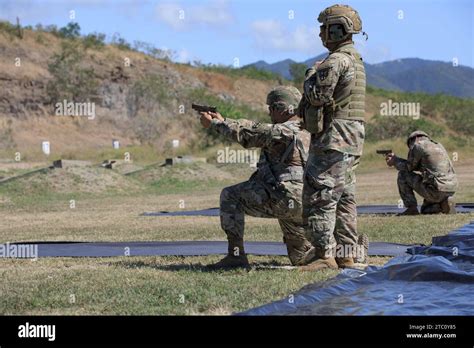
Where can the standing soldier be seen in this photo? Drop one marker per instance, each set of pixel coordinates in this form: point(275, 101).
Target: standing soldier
point(437, 182)
point(333, 106)
point(275, 189)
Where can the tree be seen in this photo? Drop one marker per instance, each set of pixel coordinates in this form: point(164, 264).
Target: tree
point(71, 31)
point(297, 71)
point(70, 80)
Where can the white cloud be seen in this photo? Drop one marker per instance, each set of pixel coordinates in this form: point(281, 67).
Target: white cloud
point(212, 14)
point(170, 14)
point(42, 11)
point(273, 35)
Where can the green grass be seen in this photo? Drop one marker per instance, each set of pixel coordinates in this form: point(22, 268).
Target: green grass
point(7, 173)
point(174, 185)
point(155, 285)
point(158, 285)
point(173, 285)
point(140, 286)
point(143, 154)
point(39, 195)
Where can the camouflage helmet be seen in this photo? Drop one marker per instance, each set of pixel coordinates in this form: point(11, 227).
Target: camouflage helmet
point(338, 16)
point(284, 98)
point(417, 133)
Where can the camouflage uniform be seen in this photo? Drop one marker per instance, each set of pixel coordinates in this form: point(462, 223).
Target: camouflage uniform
point(437, 181)
point(336, 89)
point(275, 189)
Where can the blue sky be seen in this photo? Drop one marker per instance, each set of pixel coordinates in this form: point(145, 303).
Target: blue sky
point(219, 31)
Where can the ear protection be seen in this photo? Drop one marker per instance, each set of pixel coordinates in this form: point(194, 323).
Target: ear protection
point(336, 32)
point(280, 106)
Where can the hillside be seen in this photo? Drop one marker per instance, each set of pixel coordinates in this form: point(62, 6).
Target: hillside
point(144, 101)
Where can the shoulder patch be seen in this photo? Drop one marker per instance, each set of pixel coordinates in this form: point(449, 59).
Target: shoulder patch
point(323, 73)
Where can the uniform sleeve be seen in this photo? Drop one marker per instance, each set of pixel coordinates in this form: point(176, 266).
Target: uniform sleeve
point(401, 164)
point(414, 158)
point(245, 132)
point(321, 82)
point(413, 161)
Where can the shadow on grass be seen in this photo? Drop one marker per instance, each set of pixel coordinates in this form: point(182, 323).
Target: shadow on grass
point(199, 267)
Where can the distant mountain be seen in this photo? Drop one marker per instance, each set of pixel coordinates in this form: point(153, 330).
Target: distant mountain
point(281, 68)
point(310, 62)
point(408, 75)
point(419, 75)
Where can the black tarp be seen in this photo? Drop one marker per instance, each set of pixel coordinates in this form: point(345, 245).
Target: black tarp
point(181, 248)
point(434, 280)
point(363, 209)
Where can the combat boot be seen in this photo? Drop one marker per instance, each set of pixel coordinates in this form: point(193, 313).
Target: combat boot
point(344, 262)
point(230, 261)
point(308, 257)
point(363, 242)
point(410, 211)
point(320, 264)
point(448, 206)
point(430, 208)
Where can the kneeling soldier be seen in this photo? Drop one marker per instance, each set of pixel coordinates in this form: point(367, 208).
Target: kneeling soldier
point(437, 181)
point(275, 189)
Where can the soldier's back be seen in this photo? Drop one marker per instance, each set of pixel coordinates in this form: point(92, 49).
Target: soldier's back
point(437, 165)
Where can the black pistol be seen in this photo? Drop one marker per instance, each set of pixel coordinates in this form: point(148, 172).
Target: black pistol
point(203, 108)
point(383, 152)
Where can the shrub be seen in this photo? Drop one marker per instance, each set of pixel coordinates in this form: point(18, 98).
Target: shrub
point(6, 134)
point(146, 94)
point(39, 38)
point(71, 31)
point(297, 71)
point(52, 29)
point(70, 80)
point(383, 127)
point(457, 112)
point(152, 51)
point(11, 30)
point(94, 40)
point(120, 42)
point(461, 119)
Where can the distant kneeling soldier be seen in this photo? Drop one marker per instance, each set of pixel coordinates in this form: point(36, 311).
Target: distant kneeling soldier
point(437, 182)
point(275, 189)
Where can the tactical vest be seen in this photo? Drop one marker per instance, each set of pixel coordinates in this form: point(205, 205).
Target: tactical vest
point(349, 101)
point(274, 173)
